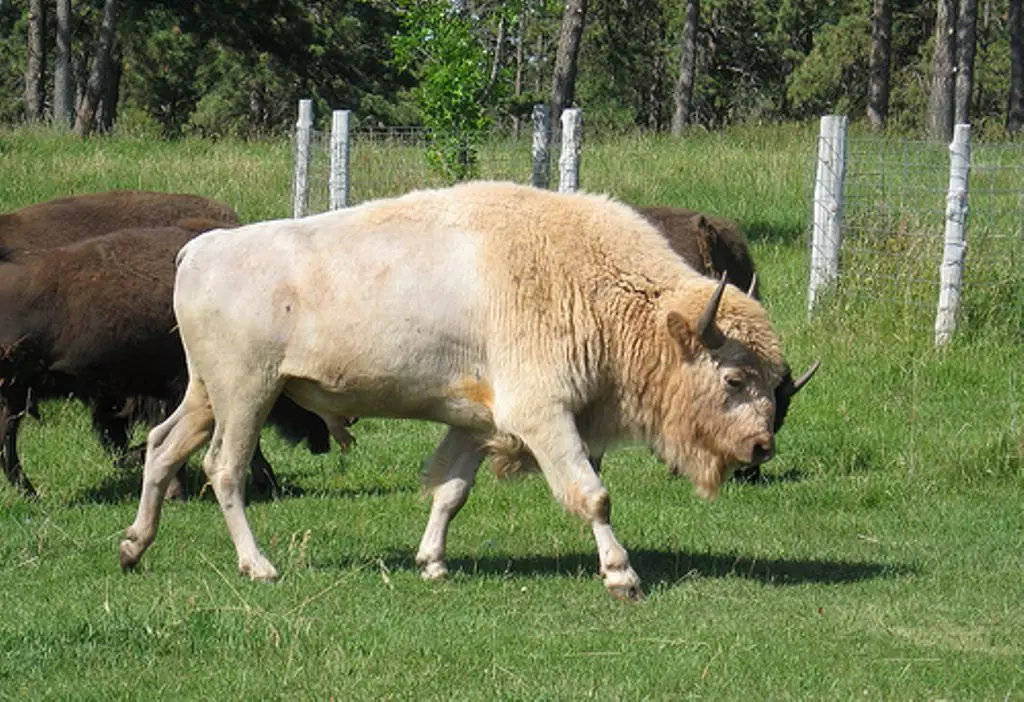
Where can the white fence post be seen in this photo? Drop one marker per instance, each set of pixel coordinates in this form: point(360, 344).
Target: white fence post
point(952, 270)
point(569, 159)
point(303, 136)
point(828, 206)
point(541, 156)
point(338, 181)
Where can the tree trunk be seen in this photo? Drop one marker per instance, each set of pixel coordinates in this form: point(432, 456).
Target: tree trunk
point(1015, 113)
point(520, 38)
point(682, 115)
point(34, 80)
point(879, 69)
point(63, 85)
point(107, 111)
point(498, 58)
point(85, 120)
point(966, 39)
point(940, 101)
point(563, 86)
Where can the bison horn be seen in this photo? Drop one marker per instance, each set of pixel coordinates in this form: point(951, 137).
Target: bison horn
point(753, 286)
point(802, 380)
point(706, 328)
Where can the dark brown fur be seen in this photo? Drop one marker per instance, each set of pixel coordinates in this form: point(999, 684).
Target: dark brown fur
point(95, 320)
point(711, 245)
point(64, 221)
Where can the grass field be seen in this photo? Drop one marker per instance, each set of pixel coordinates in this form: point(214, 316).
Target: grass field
point(882, 557)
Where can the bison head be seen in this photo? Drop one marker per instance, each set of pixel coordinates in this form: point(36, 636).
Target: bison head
point(719, 404)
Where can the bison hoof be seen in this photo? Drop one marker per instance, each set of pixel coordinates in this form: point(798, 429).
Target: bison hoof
point(259, 570)
point(627, 593)
point(130, 555)
point(624, 585)
point(434, 571)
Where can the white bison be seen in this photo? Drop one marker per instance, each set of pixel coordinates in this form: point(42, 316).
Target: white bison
point(529, 322)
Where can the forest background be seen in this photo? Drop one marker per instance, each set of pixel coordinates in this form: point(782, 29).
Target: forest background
point(236, 68)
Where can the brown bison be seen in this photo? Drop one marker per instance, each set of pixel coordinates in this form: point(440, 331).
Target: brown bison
point(525, 320)
point(94, 320)
point(70, 219)
point(715, 246)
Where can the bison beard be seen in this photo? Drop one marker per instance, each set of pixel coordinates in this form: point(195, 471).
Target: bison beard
point(715, 246)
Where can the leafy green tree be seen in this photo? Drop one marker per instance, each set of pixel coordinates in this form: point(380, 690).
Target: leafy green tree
point(439, 47)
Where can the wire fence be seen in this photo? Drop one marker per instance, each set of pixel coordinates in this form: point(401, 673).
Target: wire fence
point(894, 204)
point(387, 162)
point(888, 212)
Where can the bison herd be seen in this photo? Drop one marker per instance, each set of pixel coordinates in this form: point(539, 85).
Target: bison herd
point(540, 327)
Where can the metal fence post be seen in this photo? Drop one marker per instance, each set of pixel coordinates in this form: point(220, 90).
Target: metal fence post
point(828, 205)
point(569, 159)
point(541, 155)
point(955, 247)
point(303, 136)
point(338, 180)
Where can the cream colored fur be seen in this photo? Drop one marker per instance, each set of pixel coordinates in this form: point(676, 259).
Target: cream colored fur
point(526, 320)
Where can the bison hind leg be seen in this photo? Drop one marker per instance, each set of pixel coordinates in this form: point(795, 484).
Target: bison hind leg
point(168, 446)
point(242, 407)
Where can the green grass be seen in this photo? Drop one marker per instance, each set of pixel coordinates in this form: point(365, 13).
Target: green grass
point(882, 559)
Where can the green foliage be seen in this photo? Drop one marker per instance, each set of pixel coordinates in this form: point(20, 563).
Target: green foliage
point(12, 62)
point(160, 64)
point(452, 69)
point(834, 76)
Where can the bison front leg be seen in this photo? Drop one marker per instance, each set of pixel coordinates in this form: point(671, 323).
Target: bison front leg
point(553, 439)
point(13, 402)
point(448, 477)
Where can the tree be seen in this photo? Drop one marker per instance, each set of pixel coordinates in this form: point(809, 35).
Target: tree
point(438, 46)
point(1015, 112)
point(966, 39)
point(63, 88)
point(99, 71)
point(682, 96)
point(939, 118)
point(34, 83)
point(563, 83)
point(879, 67)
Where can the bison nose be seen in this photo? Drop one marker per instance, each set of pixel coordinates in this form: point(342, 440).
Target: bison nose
point(763, 450)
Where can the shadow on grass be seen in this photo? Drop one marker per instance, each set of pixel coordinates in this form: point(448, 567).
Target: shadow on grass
point(125, 484)
point(765, 480)
point(665, 569)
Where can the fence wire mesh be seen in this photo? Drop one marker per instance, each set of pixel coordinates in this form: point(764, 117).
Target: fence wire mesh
point(893, 224)
point(392, 161)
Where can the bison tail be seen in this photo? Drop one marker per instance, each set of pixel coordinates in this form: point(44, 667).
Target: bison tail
point(509, 456)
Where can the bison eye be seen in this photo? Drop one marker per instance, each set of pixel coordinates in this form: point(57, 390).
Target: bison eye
point(734, 381)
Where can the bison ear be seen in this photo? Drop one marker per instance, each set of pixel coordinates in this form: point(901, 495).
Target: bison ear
point(683, 334)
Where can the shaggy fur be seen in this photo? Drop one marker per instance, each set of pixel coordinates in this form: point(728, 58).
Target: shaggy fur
point(711, 245)
point(514, 315)
point(66, 220)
